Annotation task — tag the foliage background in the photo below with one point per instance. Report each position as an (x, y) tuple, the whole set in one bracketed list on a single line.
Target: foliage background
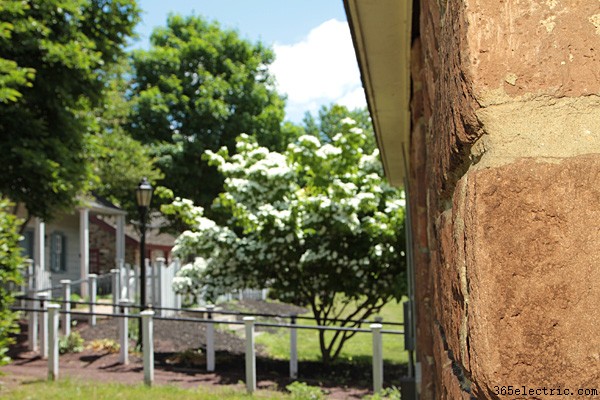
[(53, 60), (10, 264)]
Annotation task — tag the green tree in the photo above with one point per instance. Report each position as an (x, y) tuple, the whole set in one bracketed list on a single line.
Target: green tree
[(328, 123), (54, 55), (197, 88), (118, 161), (318, 224), (10, 262)]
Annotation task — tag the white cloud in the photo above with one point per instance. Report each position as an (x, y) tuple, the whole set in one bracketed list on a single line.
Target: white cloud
[(319, 70)]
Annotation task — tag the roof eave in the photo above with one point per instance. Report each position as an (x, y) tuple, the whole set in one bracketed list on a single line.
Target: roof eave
[(381, 32)]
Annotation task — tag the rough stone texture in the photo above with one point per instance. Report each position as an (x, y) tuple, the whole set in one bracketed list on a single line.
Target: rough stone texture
[(449, 300), (448, 104), (505, 160), (418, 203), (450, 386), (104, 243), (532, 251), (531, 48)]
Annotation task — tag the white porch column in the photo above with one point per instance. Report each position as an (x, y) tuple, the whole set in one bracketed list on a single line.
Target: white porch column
[(84, 247), (39, 252), (120, 238)]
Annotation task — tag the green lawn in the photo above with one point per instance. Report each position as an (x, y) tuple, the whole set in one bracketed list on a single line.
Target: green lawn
[(357, 348), (65, 389)]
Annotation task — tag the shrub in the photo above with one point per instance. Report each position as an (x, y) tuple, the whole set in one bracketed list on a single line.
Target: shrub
[(10, 264), (318, 225), (71, 344), (302, 391), (107, 345), (391, 393)]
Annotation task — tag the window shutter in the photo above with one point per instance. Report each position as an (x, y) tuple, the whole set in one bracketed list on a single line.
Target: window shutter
[(53, 253), (63, 253)]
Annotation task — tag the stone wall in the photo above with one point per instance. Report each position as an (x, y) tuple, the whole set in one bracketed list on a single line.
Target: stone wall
[(505, 182), (103, 242)]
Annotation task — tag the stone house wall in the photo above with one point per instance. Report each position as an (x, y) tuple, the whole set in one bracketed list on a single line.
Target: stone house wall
[(103, 249), (505, 182)]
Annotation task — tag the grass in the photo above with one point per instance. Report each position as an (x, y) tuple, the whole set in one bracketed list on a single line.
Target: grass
[(74, 389), (358, 348)]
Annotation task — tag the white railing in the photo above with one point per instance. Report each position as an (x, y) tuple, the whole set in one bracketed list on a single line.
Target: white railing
[(159, 284), (48, 341), (35, 278), (125, 284)]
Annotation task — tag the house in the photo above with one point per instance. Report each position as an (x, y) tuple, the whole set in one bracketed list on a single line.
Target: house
[(91, 240), (61, 249), (487, 112), (103, 230)]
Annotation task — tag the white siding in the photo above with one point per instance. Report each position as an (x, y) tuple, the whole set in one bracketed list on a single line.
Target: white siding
[(69, 226)]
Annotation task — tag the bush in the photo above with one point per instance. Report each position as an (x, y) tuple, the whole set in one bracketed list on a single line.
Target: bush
[(333, 241), (107, 345), (391, 393), (71, 344), (302, 391), (10, 264)]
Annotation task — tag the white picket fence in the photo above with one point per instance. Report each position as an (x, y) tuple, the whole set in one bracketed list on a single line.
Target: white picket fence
[(245, 294), (126, 281), (38, 280), (159, 284)]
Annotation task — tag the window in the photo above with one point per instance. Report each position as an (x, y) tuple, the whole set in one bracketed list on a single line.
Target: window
[(58, 252), (27, 244)]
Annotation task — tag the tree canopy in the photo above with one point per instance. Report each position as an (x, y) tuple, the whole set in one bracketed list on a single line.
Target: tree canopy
[(318, 224), (54, 56), (329, 122), (118, 161), (196, 89)]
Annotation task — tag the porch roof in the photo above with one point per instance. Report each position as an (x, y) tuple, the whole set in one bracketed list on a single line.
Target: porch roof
[(99, 205)]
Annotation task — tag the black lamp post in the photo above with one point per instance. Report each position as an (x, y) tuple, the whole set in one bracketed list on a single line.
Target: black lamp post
[(143, 195)]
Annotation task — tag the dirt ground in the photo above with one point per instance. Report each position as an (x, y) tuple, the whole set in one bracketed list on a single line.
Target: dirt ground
[(176, 366)]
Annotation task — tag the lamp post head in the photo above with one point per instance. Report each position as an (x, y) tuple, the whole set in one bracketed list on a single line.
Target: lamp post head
[(144, 193)]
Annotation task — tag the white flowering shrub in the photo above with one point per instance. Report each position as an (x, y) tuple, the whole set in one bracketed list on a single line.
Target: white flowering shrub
[(189, 280), (318, 225)]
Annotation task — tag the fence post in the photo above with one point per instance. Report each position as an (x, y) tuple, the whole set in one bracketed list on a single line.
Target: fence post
[(124, 331), (210, 340), (250, 355), (160, 300), (133, 282), (177, 266), (92, 289), (115, 289), (43, 319), (153, 268), (30, 272), (53, 315), (377, 358), (32, 329), (293, 349), (27, 284), (148, 346), (66, 286), (126, 290)]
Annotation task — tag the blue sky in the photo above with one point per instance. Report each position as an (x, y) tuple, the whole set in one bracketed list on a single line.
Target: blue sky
[(315, 62)]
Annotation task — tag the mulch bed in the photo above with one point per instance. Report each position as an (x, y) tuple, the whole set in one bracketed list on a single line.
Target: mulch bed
[(178, 362)]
